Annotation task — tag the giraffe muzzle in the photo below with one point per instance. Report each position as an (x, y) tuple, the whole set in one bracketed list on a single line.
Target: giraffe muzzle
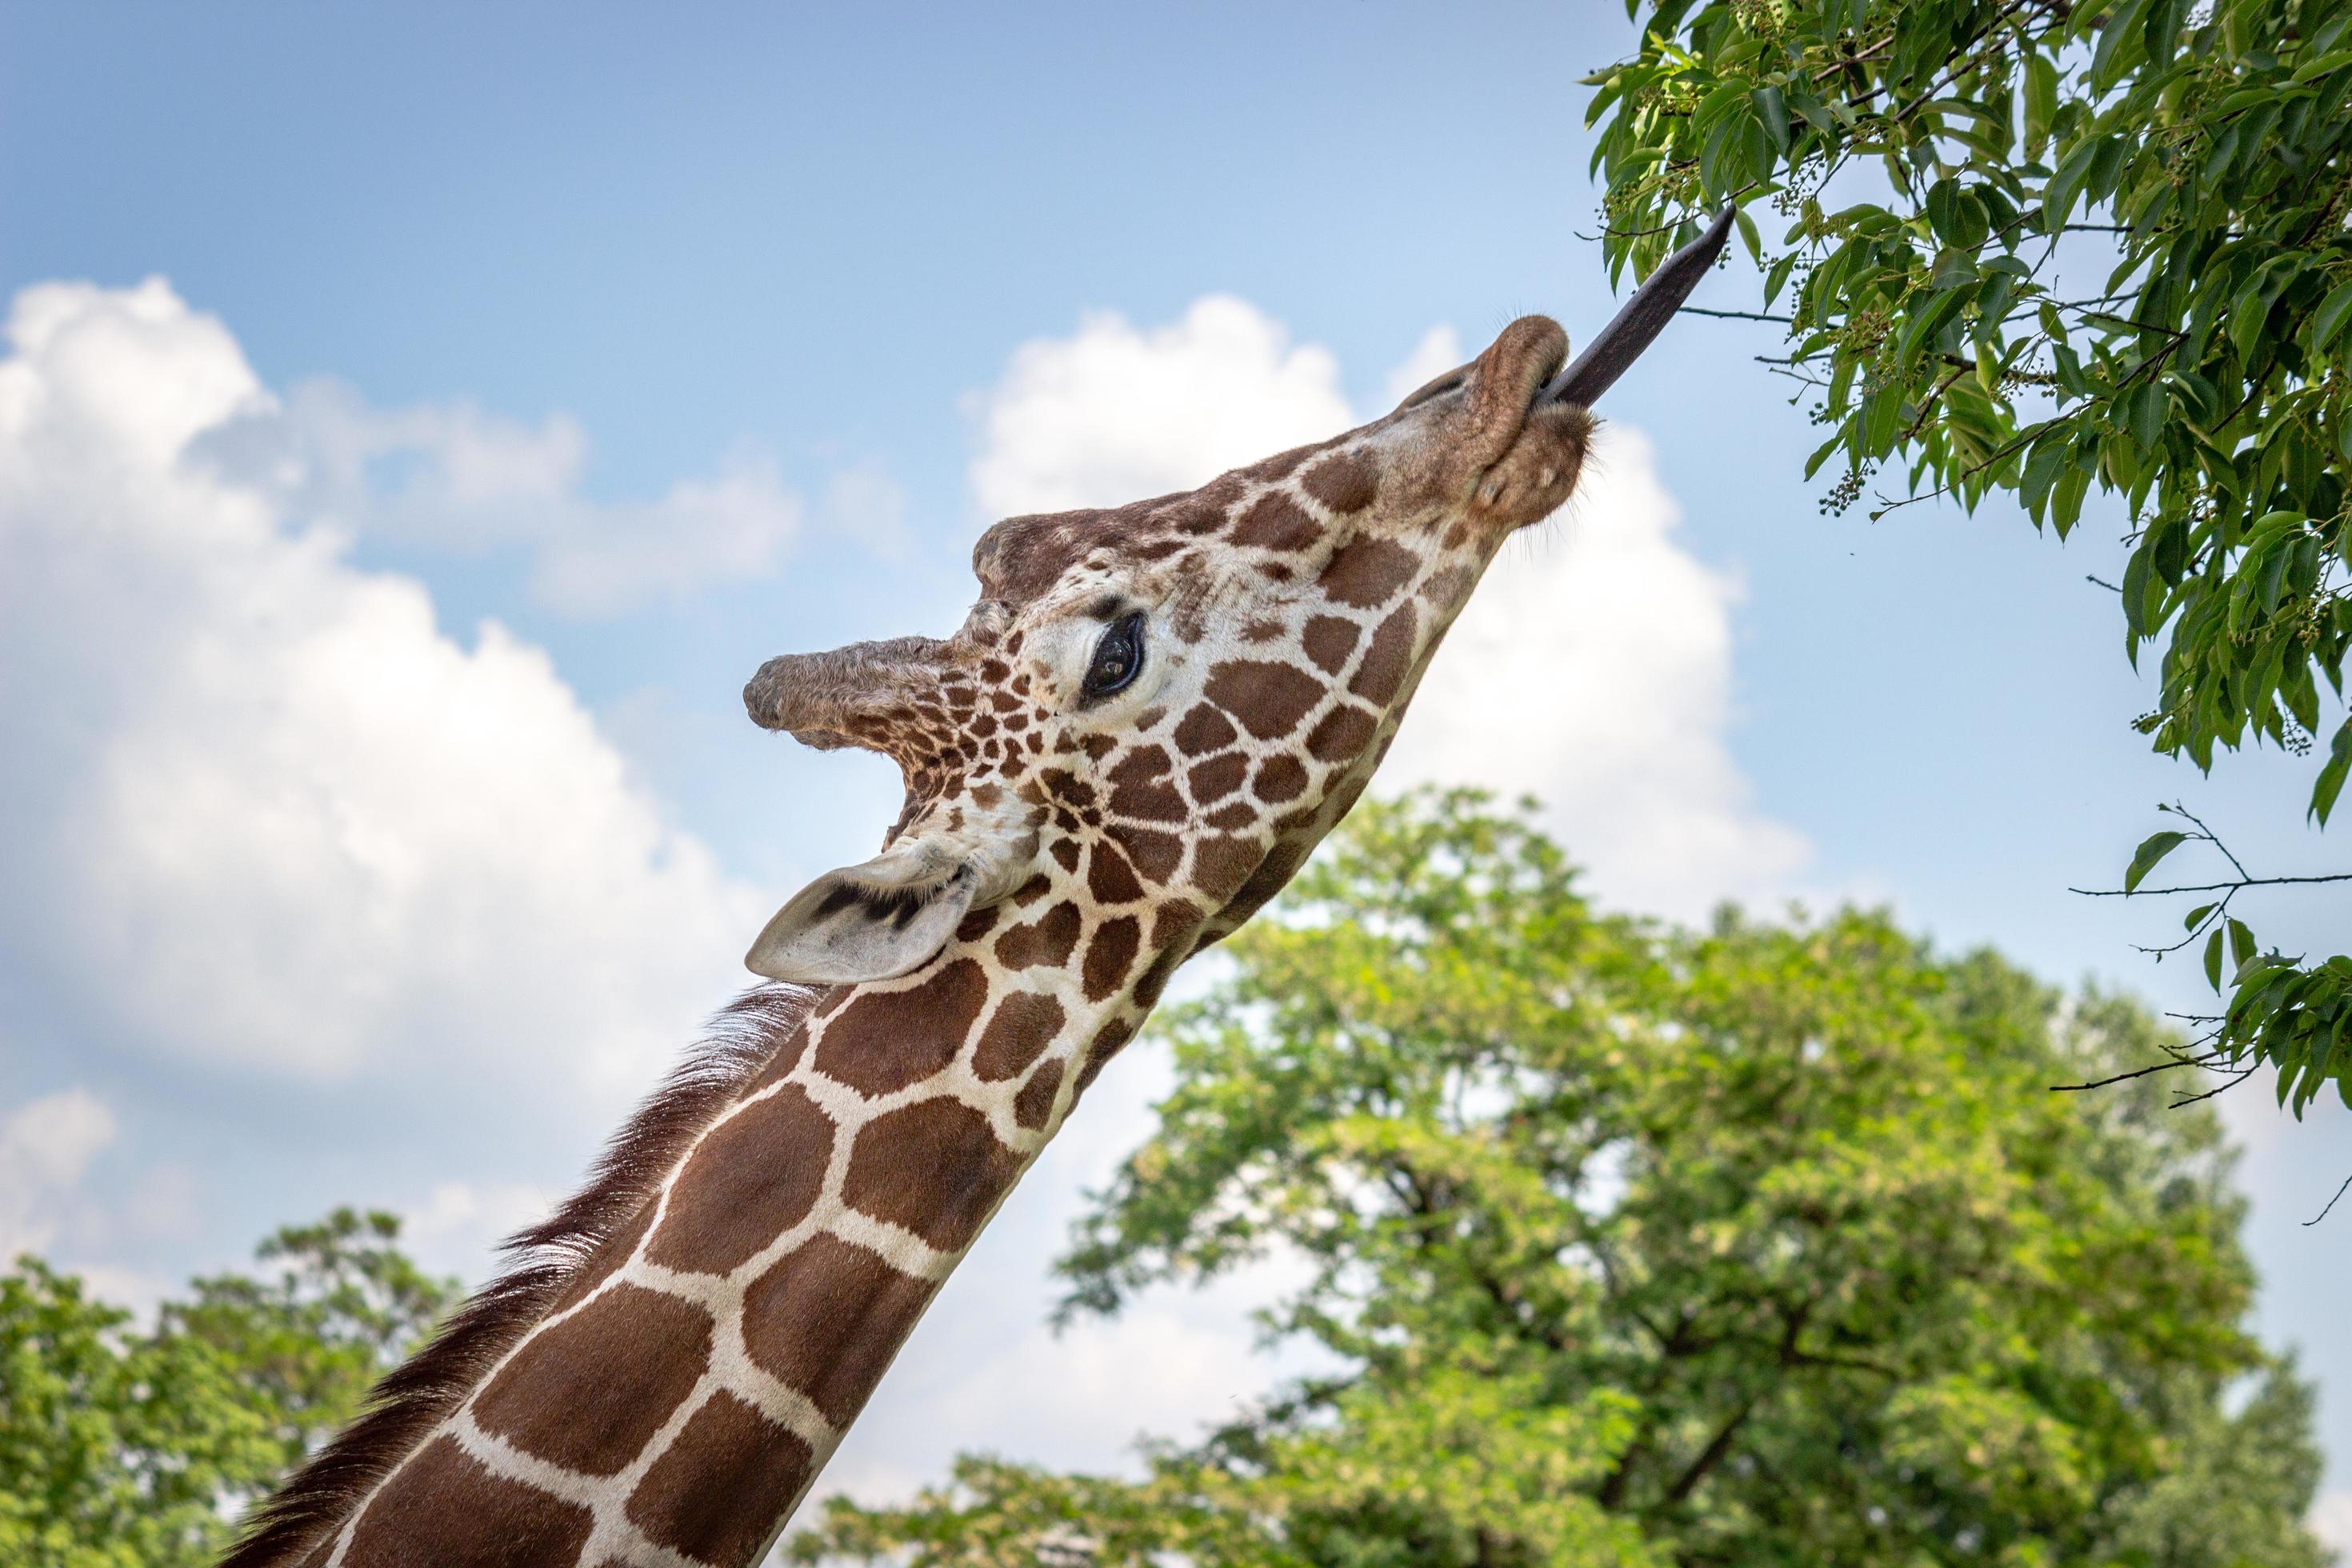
[(1638, 322)]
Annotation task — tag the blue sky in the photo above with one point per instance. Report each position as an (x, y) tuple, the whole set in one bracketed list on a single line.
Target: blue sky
[(666, 344)]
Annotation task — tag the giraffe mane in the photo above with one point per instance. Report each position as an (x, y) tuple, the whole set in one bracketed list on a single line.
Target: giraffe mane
[(540, 1260)]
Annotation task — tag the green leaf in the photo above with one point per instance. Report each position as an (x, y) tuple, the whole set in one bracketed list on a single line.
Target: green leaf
[(2119, 40), (2241, 943), (2152, 849), (2041, 100), (1772, 112), (2330, 783), (2213, 959), (2058, 196), (2195, 917), (2329, 319)]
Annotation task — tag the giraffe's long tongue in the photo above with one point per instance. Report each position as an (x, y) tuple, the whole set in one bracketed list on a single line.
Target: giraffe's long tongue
[(1639, 320)]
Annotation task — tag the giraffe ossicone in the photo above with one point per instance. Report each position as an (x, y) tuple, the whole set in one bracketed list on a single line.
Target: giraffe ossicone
[(1148, 722)]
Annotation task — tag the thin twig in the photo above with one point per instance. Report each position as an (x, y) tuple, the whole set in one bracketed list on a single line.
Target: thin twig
[(2210, 837), (2321, 1214), (2122, 1077), (2207, 887), (2193, 1099)]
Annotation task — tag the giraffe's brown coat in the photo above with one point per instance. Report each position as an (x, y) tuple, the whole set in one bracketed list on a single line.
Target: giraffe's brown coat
[(1047, 941), (714, 1494), (1274, 521), (1218, 777), (827, 1319), (1154, 855), (1268, 699), (445, 1509), (1343, 735), (1034, 1103), (583, 1394), (755, 1176), (608, 1258), (1345, 481), (934, 1167), (1140, 787), (788, 1055), (1328, 641), (1109, 955), (1219, 862), (1388, 658), (1109, 879), (1203, 729), (886, 1040), (1018, 1032), (1369, 572), (1279, 778)]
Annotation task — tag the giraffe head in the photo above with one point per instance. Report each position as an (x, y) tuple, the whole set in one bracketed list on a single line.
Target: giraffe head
[(1167, 704)]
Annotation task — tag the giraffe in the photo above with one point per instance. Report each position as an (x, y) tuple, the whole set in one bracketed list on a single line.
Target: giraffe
[(1149, 719)]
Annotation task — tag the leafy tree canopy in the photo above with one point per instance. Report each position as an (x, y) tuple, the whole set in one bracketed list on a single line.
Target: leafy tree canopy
[(1766, 1244), (128, 1449), (2048, 246)]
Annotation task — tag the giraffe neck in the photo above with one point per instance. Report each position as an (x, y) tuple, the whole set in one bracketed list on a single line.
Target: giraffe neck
[(679, 1398)]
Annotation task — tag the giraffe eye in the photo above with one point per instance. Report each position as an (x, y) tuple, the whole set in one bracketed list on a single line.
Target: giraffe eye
[(1118, 660)]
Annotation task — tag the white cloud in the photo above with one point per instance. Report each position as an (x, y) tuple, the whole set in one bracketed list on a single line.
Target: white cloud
[(1439, 351), (257, 809), (862, 501), (458, 1227), (2331, 1519), (1591, 669), (46, 1148), (1114, 414), (453, 477)]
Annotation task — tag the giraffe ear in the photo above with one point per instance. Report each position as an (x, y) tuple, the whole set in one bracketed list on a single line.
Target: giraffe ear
[(872, 921)]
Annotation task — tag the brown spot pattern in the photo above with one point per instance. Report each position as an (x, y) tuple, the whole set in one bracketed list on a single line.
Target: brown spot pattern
[(1329, 640), (1344, 481), (1387, 658), (1343, 733), (827, 1319), (886, 1040), (1274, 521), (1049, 940), (1153, 853), (1203, 729), (933, 1167), (446, 1508), (584, 1395), (608, 1257), (1109, 955), (1217, 777), (1279, 778), (1140, 788), (752, 1179), (1369, 571), (1018, 1032), (1219, 864), (1268, 699), (1034, 1103), (1109, 879), (715, 1492)]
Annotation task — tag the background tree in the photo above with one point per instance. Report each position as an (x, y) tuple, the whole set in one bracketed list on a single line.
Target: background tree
[(128, 1449), (2041, 246), (1761, 1244)]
